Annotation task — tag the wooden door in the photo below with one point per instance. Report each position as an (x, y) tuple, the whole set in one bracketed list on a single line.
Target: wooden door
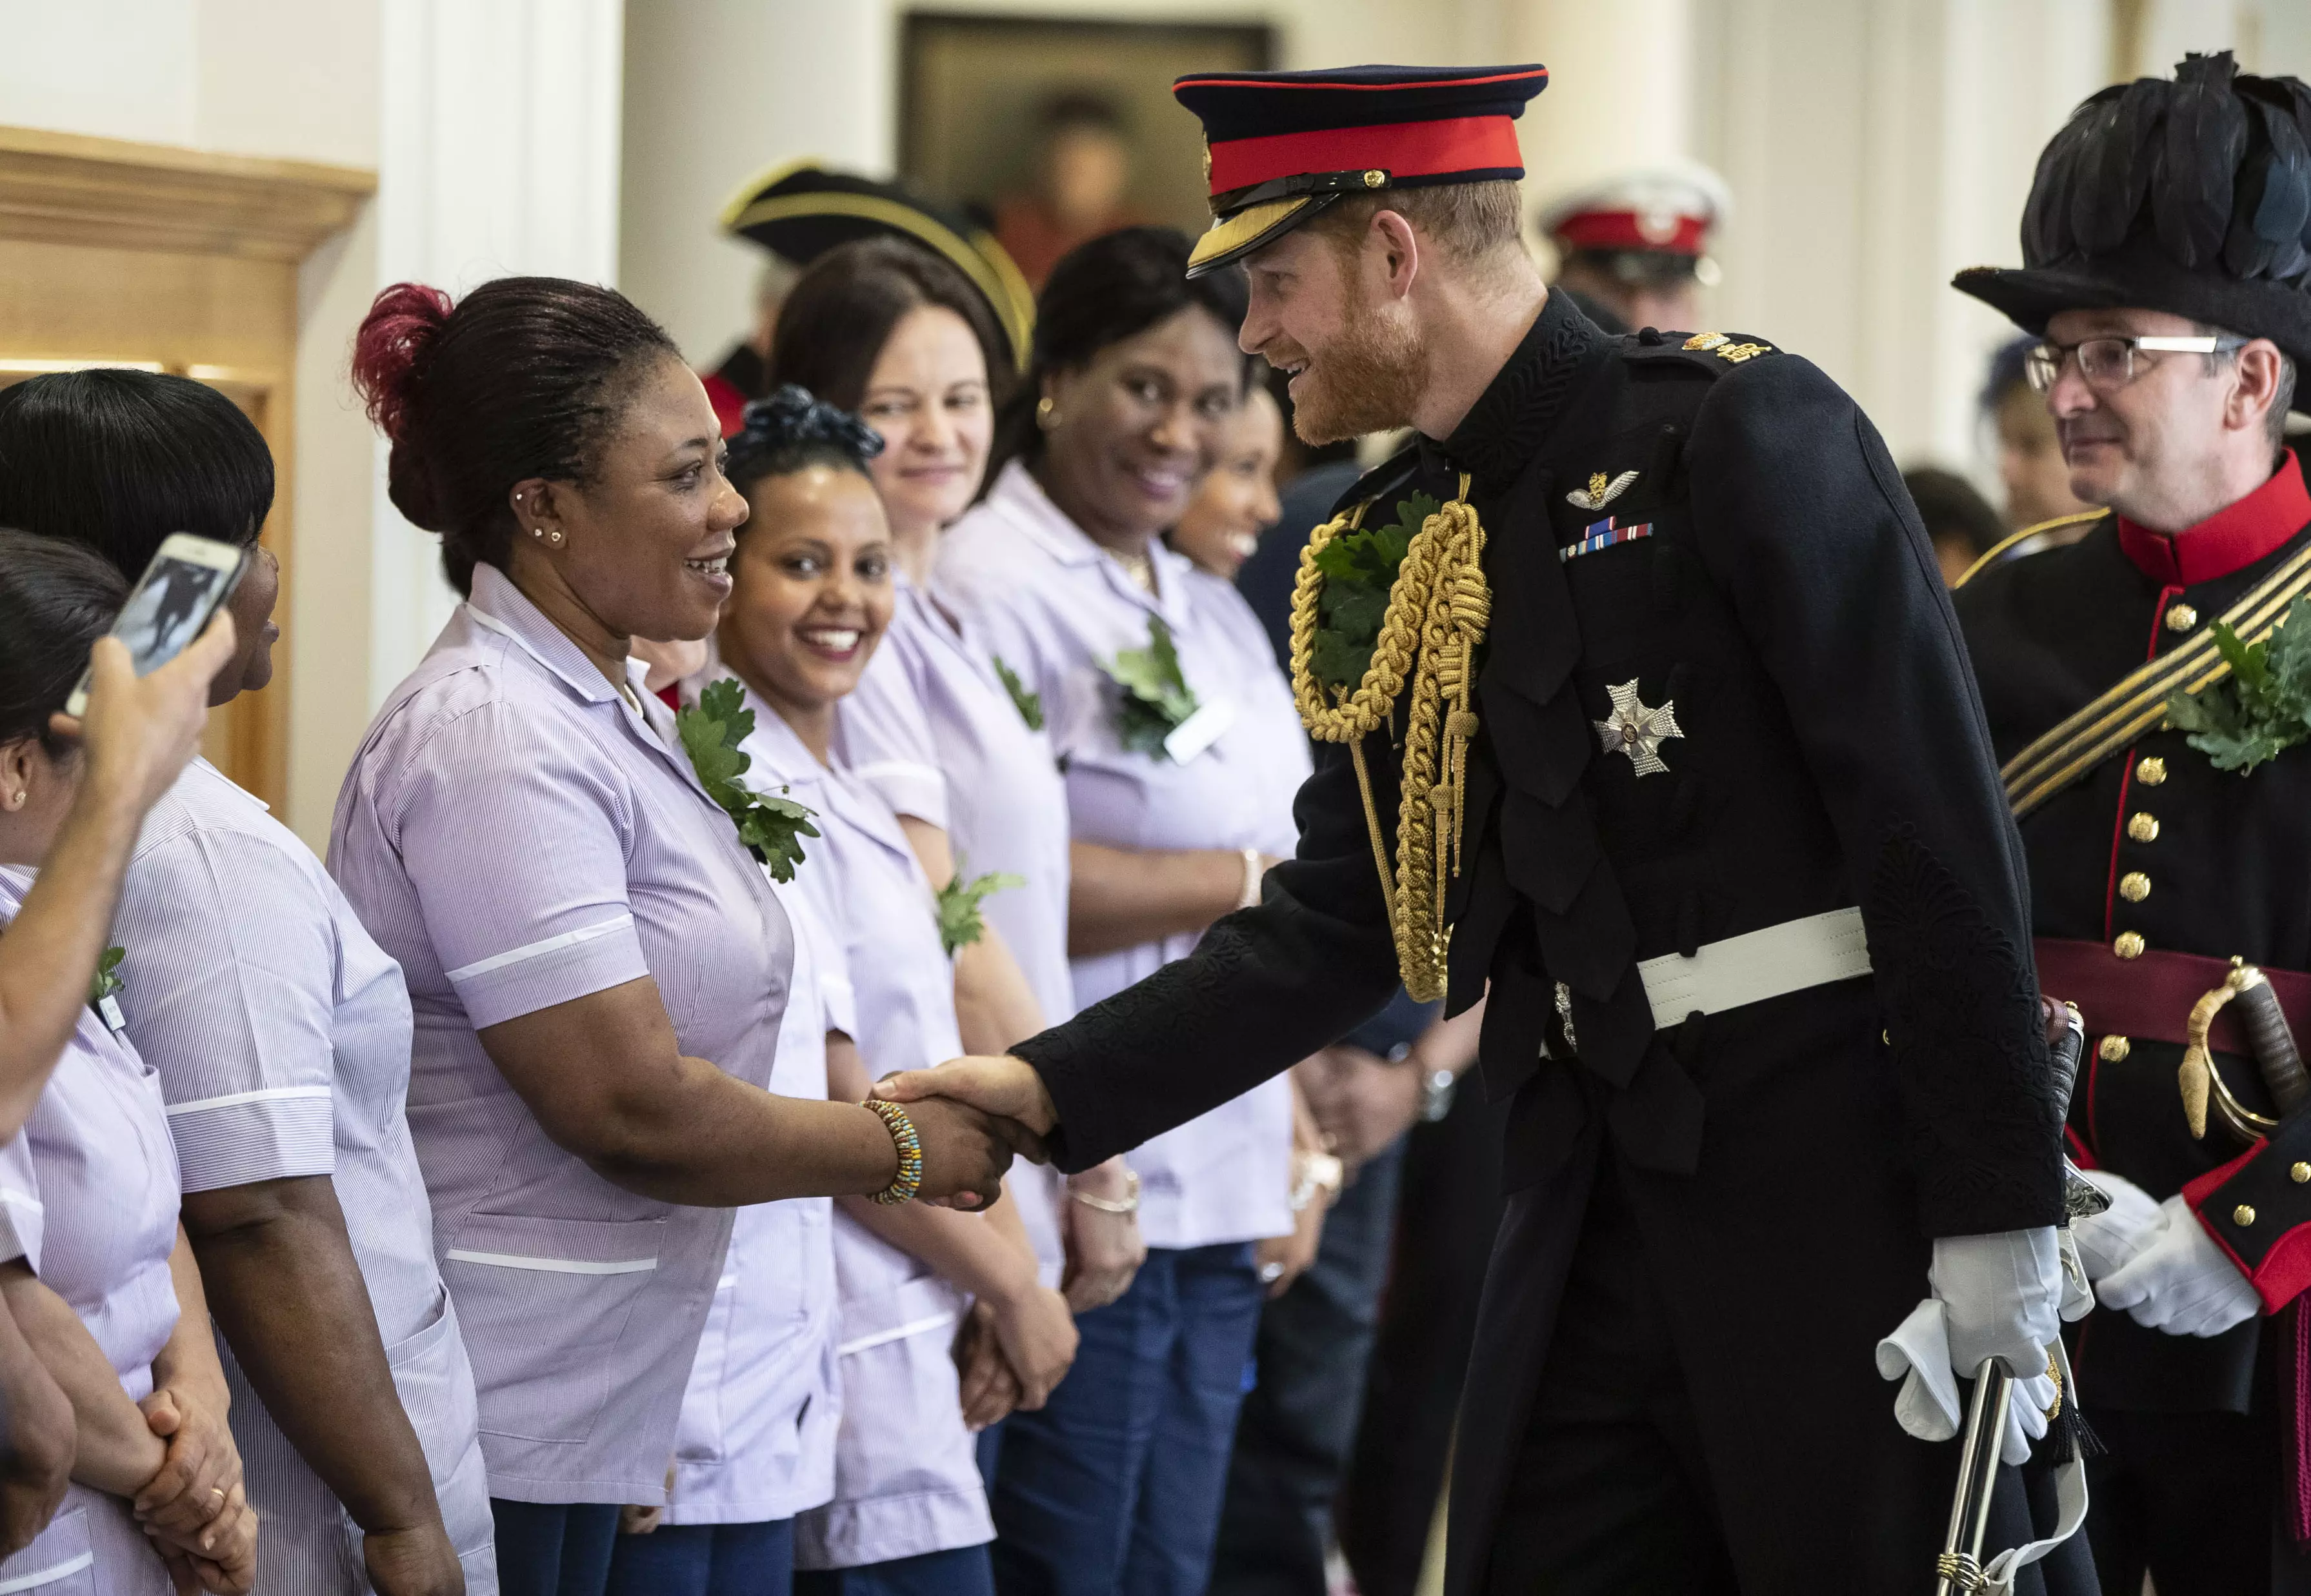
[(174, 260)]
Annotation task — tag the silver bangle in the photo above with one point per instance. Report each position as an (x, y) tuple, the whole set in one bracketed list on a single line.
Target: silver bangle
[(1127, 1204), (1254, 867)]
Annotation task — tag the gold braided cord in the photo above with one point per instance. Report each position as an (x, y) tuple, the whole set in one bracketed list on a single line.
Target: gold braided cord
[(1437, 613)]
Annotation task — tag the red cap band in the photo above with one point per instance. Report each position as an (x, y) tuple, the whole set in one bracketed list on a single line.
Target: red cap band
[(1400, 149), (1626, 230)]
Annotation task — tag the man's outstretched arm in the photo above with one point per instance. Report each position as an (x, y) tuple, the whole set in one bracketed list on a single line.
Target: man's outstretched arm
[(1264, 989)]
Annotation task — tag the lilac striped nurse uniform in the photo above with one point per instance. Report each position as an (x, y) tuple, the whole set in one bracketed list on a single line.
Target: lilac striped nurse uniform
[(517, 832), (1056, 607), (280, 1033), (89, 1193), (906, 1481), (756, 1441), (934, 731)]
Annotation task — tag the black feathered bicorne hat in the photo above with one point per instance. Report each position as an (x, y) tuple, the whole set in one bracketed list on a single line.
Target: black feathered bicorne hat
[(801, 210), (2190, 196)]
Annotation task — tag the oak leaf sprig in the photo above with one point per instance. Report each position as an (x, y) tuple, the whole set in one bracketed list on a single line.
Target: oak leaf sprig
[(1030, 705), (770, 825), (1155, 699), (2263, 707), (105, 981), (959, 921), (1359, 567)]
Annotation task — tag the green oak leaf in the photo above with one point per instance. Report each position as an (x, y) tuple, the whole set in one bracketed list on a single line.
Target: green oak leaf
[(1030, 705), (107, 980), (1359, 569), (2263, 707), (959, 922), (771, 826), (1155, 699)]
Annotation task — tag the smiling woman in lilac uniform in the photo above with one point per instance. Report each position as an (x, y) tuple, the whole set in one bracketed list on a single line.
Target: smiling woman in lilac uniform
[(1175, 812), (597, 966)]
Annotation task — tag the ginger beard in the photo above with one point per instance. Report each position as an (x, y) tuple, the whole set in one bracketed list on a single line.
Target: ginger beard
[(1366, 379)]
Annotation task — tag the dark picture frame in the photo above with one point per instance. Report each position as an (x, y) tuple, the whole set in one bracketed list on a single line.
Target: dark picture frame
[(973, 88)]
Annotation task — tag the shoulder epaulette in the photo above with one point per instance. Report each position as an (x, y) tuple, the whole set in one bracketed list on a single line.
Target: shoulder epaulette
[(2032, 539), (1709, 351)]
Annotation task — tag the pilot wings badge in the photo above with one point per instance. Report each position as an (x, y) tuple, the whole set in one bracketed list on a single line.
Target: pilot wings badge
[(1601, 490)]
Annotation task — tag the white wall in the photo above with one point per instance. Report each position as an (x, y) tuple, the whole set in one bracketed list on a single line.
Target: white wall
[(498, 154)]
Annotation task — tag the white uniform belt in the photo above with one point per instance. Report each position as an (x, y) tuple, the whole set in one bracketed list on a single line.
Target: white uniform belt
[(1757, 966)]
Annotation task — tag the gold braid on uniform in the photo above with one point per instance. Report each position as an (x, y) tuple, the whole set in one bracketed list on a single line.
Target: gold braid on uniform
[(1438, 612)]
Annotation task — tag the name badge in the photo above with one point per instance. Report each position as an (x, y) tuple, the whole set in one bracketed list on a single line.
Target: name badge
[(1200, 730), (108, 1009)]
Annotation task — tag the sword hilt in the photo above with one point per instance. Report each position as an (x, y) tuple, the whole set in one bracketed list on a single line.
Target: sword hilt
[(2267, 1033), (1958, 1569)]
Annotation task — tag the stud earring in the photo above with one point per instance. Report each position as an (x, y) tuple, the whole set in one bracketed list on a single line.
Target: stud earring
[(1047, 414), (16, 799), (553, 538)]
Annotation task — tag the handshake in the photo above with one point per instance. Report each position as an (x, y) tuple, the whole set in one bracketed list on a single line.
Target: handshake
[(972, 1117)]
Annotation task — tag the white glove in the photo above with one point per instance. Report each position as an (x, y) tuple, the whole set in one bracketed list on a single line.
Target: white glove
[(1928, 1405), (2002, 1296), (2078, 1293), (2110, 1239), (2179, 1281)]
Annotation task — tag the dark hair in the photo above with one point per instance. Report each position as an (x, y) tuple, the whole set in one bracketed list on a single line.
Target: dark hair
[(56, 599), (1099, 293), (1078, 108), (524, 377), (116, 460), (1950, 506), (791, 431), (836, 319), (2008, 372)]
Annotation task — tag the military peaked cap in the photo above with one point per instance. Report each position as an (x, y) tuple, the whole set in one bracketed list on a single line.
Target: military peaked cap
[(1280, 146)]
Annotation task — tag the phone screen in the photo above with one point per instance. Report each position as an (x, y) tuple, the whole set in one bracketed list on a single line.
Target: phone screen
[(171, 603), (187, 582)]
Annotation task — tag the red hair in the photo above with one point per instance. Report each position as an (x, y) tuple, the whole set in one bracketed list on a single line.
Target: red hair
[(390, 349)]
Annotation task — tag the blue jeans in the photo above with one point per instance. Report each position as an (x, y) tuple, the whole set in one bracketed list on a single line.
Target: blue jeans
[(553, 1548), (961, 1571), (1114, 1487), (705, 1560)]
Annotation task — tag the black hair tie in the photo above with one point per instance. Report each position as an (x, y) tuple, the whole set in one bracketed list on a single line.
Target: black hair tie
[(791, 418)]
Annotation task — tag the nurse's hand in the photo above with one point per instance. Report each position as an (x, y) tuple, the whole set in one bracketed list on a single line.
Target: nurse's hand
[(987, 1387), (414, 1562), (965, 1153), (1038, 1336), (1005, 1087), (202, 1469), (226, 1560)]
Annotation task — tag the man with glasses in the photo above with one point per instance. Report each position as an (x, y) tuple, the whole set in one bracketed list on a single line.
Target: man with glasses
[(2168, 243)]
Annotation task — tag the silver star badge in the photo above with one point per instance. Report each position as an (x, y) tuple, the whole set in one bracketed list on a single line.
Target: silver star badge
[(1638, 731), (1601, 491)]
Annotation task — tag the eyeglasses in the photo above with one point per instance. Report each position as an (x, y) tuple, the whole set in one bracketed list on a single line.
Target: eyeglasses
[(2108, 362)]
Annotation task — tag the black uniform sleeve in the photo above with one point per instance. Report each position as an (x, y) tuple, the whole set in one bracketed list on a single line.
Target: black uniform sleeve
[(2258, 1208), (1264, 989), (1805, 523)]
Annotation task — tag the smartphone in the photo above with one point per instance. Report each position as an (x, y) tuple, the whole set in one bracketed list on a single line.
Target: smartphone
[(187, 582)]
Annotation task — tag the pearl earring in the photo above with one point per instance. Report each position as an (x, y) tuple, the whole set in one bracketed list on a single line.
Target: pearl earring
[(16, 799)]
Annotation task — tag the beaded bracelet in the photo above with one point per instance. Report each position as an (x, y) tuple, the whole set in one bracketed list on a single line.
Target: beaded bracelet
[(909, 1178)]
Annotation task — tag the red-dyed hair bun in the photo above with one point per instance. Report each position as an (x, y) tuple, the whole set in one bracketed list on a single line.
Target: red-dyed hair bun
[(391, 351)]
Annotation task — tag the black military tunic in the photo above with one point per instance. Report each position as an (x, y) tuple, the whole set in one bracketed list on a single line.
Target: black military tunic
[(1768, 1176), (2174, 868)]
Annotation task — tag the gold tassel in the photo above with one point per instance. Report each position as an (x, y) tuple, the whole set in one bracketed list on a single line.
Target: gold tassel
[(1437, 613)]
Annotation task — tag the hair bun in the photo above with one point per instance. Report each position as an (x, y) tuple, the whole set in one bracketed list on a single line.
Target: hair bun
[(792, 417), (392, 350)]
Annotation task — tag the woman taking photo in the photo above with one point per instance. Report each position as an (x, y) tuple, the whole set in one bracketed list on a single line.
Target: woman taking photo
[(98, 1275), (598, 968), (279, 1032), (1181, 766), (892, 332), (811, 601)]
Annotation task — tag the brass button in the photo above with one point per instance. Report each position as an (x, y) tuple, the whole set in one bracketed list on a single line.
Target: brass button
[(2114, 1049), (2181, 617), (2129, 945), (2243, 1215), (2142, 827), (2299, 1173), (2134, 886), (2150, 772)]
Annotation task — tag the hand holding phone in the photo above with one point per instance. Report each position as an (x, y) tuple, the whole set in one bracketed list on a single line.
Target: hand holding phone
[(188, 581), (139, 732)]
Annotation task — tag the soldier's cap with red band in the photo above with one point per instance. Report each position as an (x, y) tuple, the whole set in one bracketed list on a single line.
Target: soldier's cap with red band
[(1281, 146)]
